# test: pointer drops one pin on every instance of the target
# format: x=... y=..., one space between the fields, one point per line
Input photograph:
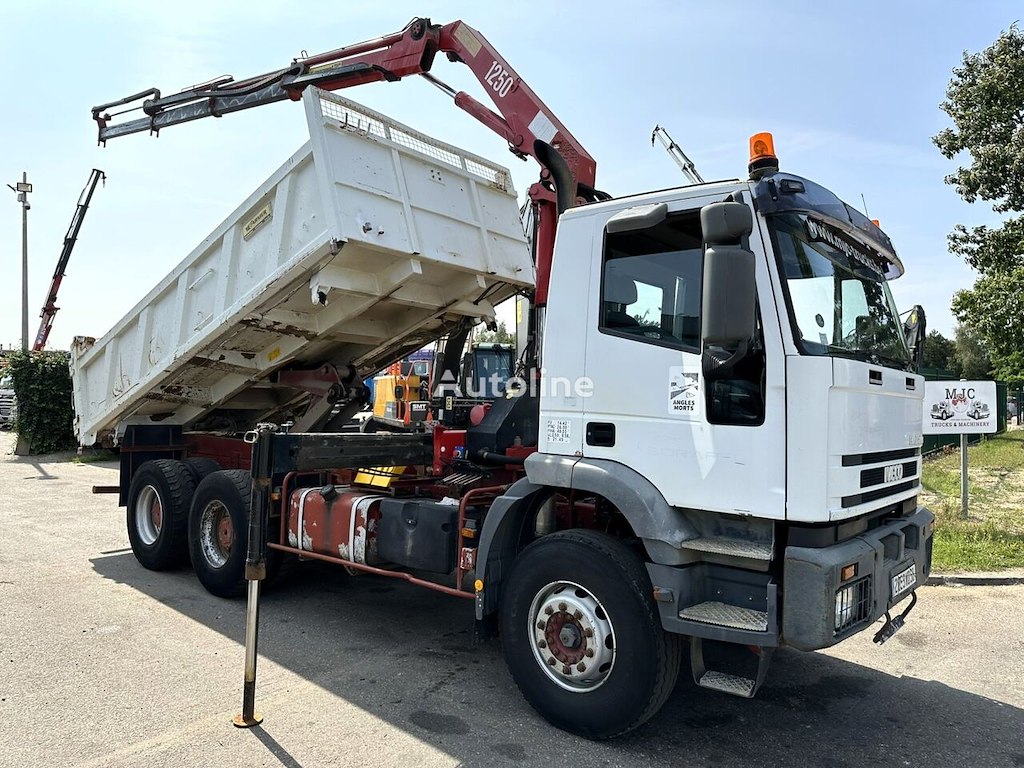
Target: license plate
x=904 y=580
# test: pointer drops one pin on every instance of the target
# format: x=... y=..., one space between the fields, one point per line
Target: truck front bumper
x=882 y=567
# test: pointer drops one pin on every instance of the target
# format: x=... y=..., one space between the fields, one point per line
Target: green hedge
x=42 y=384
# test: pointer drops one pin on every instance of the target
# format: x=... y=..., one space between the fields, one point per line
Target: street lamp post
x=22 y=188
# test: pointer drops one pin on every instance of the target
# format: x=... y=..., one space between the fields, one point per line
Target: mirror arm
x=716 y=368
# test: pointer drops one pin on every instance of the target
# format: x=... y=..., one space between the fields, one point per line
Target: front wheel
x=582 y=637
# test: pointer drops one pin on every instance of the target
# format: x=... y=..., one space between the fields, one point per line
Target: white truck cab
x=772 y=458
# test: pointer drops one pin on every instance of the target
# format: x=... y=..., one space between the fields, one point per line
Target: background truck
x=714 y=385
x=8 y=401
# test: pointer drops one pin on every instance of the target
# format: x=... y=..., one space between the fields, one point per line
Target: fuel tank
x=335 y=520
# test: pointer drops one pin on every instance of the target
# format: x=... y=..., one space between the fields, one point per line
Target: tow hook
x=892 y=626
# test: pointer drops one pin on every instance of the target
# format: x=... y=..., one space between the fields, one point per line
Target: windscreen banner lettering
x=820 y=232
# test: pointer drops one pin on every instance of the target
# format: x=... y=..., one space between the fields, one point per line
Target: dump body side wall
x=369 y=241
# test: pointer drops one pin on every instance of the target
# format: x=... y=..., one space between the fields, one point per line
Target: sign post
x=963 y=475
x=960 y=407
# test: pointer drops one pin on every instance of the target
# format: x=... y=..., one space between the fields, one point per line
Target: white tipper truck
x=715 y=437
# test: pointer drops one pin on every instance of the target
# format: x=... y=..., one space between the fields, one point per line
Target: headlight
x=853 y=604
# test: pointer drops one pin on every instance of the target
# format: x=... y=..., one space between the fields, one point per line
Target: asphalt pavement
x=103 y=663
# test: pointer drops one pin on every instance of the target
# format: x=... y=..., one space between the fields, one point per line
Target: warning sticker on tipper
x=683 y=390
x=558 y=431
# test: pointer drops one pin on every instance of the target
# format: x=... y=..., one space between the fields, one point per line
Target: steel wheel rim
x=216 y=534
x=149 y=515
x=572 y=637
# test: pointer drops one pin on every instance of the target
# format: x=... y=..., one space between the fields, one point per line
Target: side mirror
x=914 y=330
x=725 y=223
x=729 y=292
x=729 y=297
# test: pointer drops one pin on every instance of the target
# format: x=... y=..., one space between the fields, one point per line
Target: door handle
x=600 y=434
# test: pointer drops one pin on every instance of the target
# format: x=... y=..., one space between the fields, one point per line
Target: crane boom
x=525 y=122
x=50 y=307
x=685 y=163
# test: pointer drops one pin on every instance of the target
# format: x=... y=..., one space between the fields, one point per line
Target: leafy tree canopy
x=971 y=353
x=501 y=335
x=938 y=352
x=985 y=101
x=994 y=308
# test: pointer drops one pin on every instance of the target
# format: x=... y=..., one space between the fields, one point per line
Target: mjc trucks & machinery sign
x=959 y=407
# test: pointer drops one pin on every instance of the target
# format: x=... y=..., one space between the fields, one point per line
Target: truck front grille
x=876 y=475
x=856 y=459
x=880 y=493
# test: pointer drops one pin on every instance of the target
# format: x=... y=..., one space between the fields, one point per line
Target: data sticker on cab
x=558 y=431
x=683 y=388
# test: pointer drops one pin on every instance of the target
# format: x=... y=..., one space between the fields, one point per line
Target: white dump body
x=369 y=242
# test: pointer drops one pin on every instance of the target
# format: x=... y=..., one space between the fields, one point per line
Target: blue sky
x=850 y=91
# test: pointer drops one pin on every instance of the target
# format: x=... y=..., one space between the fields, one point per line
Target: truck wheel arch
x=661 y=527
x=501 y=538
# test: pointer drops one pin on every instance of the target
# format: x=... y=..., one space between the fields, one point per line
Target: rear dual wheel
x=157 y=519
x=218 y=533
x=181 y=510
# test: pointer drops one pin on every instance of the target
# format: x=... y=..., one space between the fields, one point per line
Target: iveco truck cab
x=750 y=397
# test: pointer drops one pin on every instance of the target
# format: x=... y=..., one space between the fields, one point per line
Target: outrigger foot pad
x=241 y=721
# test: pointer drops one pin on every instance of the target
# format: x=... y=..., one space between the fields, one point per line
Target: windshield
x=838 y=299
x=493 y=368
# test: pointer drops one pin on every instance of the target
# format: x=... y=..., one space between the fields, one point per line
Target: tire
x=218 y=525
x=594 y=575
x=223 y=496
x=200 y=467
x=157 y=516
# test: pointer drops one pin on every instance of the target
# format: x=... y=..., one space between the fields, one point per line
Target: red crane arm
x=525 y=122
x=524 y=118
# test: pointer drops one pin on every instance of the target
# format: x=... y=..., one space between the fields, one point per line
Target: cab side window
x=651 y=283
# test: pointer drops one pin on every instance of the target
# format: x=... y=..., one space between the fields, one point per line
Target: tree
x=970 y=357
x=994 y=308
x=985 y=100
x=499 y=336
x=938 y=352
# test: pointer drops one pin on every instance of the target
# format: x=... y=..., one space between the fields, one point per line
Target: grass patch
x=992 y=538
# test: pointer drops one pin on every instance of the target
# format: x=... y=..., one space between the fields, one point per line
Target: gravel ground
x=107 y=664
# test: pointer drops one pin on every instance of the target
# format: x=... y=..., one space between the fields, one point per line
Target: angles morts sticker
x=683 y=390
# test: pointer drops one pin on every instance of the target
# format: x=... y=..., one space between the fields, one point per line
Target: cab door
x=717 y=446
